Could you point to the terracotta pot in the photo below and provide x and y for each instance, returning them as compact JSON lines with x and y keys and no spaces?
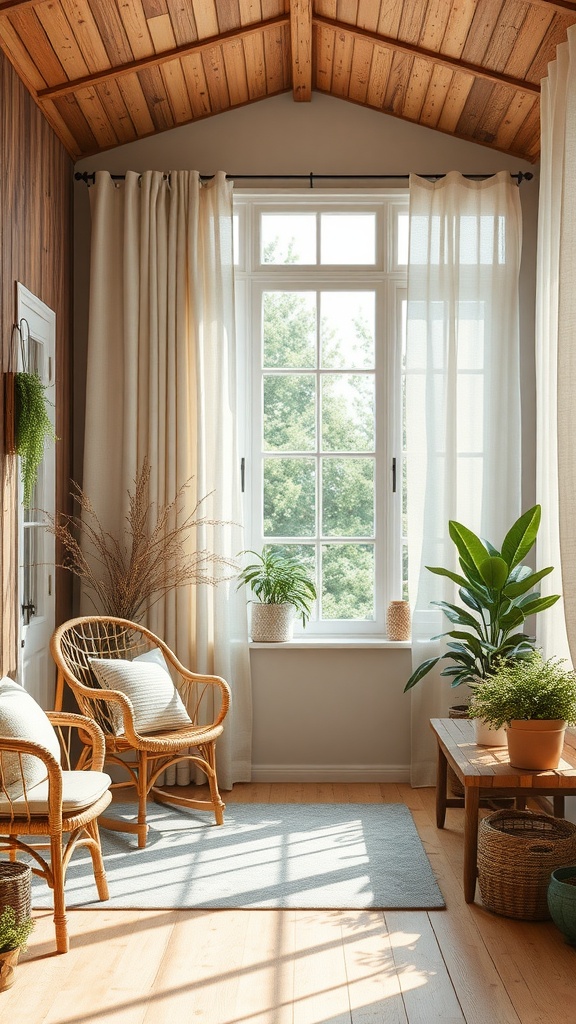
{"x":8,"y":961}
{"x":535,"y":744}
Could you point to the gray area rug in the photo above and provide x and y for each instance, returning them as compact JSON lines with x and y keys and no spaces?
{"x":300,"y":856}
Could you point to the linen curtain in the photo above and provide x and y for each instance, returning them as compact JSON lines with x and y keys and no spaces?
{"x":161,"y":385}
{"x":462,"y":403}
{"x":555,"y":355}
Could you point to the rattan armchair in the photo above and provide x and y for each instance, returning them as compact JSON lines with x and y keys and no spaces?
{"x":36,"y":819}
{"x":145,"y":756}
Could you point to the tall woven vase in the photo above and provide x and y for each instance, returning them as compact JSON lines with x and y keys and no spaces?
{"x":398,"y":620}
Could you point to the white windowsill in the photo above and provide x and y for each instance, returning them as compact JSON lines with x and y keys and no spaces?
{"x":349,"y":643}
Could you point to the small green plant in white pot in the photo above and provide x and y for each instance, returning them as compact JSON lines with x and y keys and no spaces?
{"x":282,"y":587}
{"x":535,"y":699}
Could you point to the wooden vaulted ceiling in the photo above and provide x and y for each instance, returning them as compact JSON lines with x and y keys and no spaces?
{"x":107,"y":72}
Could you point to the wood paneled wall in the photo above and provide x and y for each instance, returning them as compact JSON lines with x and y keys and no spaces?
{"x":36,"y":179}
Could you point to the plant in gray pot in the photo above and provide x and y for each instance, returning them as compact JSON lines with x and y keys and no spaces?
{"x":497,"y":593}
{"x":536,"y":700}
{"x":282,"y":587}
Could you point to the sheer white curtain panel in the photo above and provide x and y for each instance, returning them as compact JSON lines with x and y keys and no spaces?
{"x":462,"y":403}
{"x":555,"y":352}
{"x":161,"y":385}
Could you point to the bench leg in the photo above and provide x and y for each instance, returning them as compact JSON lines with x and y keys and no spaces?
{"x":471,"y":805}
{"x":441,"y":783}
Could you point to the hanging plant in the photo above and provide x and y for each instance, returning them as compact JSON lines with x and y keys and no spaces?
{"x":33,"y":426}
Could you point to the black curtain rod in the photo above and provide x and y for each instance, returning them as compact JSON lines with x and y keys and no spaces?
{"x":89,"y":177}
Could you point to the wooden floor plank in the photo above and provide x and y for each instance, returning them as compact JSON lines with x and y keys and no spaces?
{"x":428,"y":994}
{"x":373,"y":985}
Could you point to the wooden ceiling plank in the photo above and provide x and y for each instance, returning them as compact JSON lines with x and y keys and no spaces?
{"x":113,"y":33}
{"x":397,"y":82}
{"x":527,"y":139}
{"x":411,"y":20}
{"x":368,"y":14}
{"x":251,"y":12}
{"x":326,"y":8}
{"x":479,"y":96}
{"x":347,"y":11}
{"x":130,"y":89}
{"x":417,"y":89}
{"x":455,"y":102}
{"x":555,"y":35}
{"x":236,"y":77}
{"x":416,"y":51}
{"x":61,"y":129}
{"x":70,"y":112}
{"x":29,"y":29}
{"x":136,"y":27}
{"x":216,"y":78}
{"x":91,"y":106}
{"x":62,"y":39}
{"x":379,"y":75}
{"x":277,"y":59}
{"x":301,"y":40}
{"x":20,"y":58}
{"x":274,"y":8}
{"x":519,"y":107}
{"x":228,"y":14}
{"x":199,"y":46}
{"x":324,"y":62}
{"x":196,"y":83}
{"x":457,"y":27}
{"x":156,"y":98}
{"x":492,"y":114}
{"x":530,"y":39}
{"x":206,"y":18}
{"x":342,"y":66}
{"x":183,"y":22}
{"x":360,"y":73}
{"x":481,"y":30}
{"x":162,"y":36}
{"x":85,"y":29}
{"x":154,"y":8}
{"x":505,"y":36}
{"x":434,"y":25}
{"x":436,"y":94}
{"x":255,"y":66}
{"x":113,"y":101}
{"x":389,"y":20}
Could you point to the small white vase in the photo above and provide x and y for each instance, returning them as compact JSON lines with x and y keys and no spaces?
{"x":486,"y":736}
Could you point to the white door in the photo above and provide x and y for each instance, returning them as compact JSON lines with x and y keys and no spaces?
{"x":36,"y":670}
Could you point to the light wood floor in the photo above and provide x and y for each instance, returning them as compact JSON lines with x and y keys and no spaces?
{"x":459,"y":966}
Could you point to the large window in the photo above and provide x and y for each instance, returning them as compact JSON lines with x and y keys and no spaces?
{"x":320,"y":288}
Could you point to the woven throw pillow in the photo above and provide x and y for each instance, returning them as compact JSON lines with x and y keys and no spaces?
{"x":22,"y":718}
{"x":156,"y":703}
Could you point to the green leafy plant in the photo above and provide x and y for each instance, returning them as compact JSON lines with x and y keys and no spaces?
{"x":33,"y":426}
{"x":530,"y":688}
{"x":496,"y":590}
{"x":13,"y":934}
{"x":279,"y":579}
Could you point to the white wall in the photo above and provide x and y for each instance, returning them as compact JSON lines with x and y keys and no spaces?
{"x":320,"y":713}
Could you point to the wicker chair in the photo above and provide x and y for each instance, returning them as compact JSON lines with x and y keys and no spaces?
{"x":205,"y":697}
{"x":43,"y":801}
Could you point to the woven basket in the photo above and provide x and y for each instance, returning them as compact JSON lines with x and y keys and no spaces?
{"x":15,"y":888}
{"x":517,"y":852}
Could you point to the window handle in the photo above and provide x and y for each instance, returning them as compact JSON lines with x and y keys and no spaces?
{"x":394,"y":476}
{"x":242,"y":474}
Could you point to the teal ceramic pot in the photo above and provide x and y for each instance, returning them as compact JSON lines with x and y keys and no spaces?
{"x":562,"y":901}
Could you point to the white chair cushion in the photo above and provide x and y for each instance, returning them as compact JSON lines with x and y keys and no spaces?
{"x":156,"y":703}
{"x":79,"y":790}
{"x":22,"y":718}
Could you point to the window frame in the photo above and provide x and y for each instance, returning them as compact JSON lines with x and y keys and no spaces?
{"x":387,"y":278}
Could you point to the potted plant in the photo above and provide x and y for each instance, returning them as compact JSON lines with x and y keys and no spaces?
{"x":497,"y":595}
{"x":13,"y":938}
{"x":536,"y":699}
{"x":33,"y":426}
{"x":282,"y":586}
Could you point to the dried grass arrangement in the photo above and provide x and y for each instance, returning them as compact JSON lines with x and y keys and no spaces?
{"x":124,"y":576}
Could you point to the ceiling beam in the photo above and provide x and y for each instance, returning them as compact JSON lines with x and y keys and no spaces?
{"x":156,"y":59}
{"x":454,"y":63}
{"x":301,"y":39}
{"x":563,"y":6}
